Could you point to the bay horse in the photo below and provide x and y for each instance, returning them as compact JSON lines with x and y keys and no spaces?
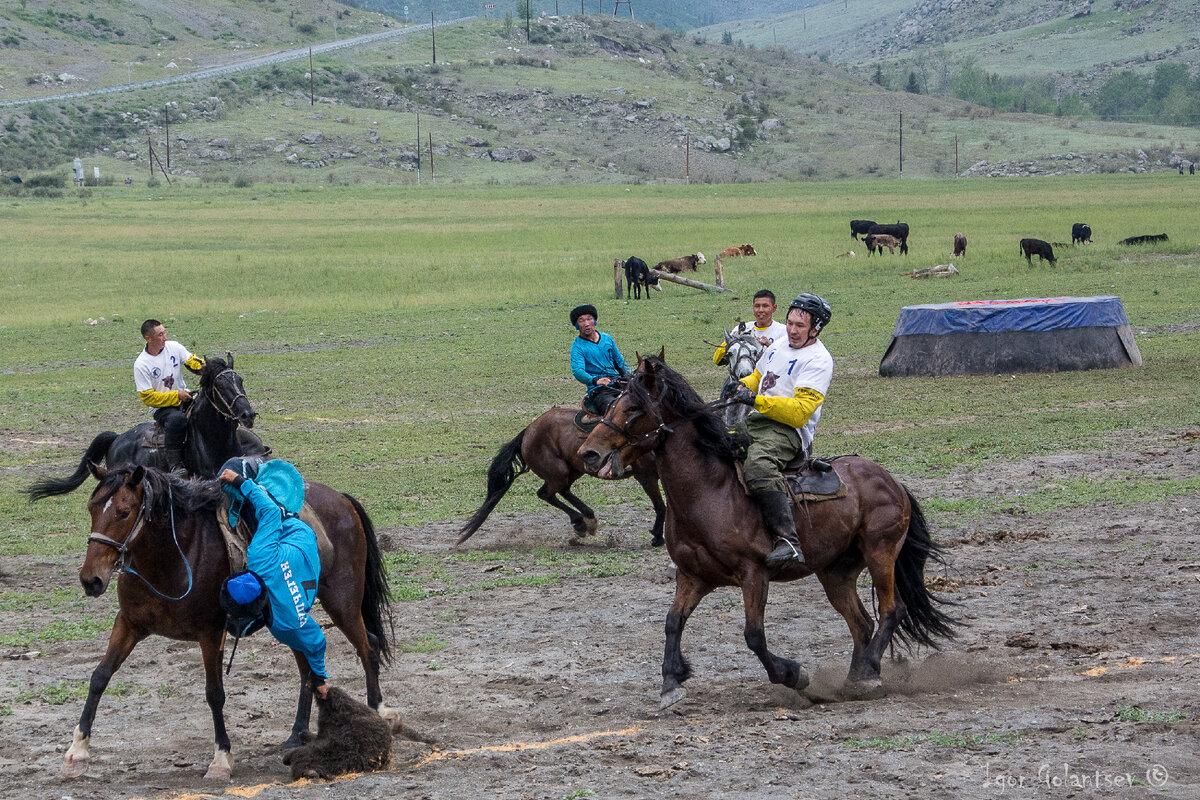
{"x":217,"y":410}
{"x":716,"y":536}
{"x":160,"y":533}
{"x":549,"y":447}
{"x":742,"y":351}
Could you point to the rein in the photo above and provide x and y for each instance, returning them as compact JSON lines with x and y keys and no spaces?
{"x":122,"y":548}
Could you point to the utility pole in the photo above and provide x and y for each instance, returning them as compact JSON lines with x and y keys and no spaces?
{"x":311,"y":97}
{"x":167,"y":124}
{"x":901,"y":145}
{"x":418,"y":148}
{"x":433,"y":34}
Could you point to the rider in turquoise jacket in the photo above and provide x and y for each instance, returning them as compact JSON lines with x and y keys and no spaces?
{"x":283,"y":553}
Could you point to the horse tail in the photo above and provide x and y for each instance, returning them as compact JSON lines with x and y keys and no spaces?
{"x":506,"y":467}
{"x":377,"y":594}
{"x":923,"y":620}
{"x":49,"y":487}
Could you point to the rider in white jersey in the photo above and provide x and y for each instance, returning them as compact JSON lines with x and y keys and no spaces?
{"x":158,"y":377}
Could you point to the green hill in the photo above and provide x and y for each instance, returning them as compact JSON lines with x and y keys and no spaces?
{"x":52,"y":46}
{"x":1075,"y":43}
{"x":588,"y":100}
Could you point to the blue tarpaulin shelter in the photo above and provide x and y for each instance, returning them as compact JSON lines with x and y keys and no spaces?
{"x":988,"y":337}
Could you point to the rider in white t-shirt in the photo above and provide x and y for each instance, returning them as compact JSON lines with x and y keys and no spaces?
{"x":158,"y":377}
{"x":764,"y":327}
{"x":785,"y":391}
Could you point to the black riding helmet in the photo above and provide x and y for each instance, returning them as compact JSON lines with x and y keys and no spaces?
{"x":817,"y":308}
{"x":579,"y":311}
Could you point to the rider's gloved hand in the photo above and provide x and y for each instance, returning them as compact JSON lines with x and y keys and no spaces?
{"x":743,"y":394}
{"x":728,"y":390}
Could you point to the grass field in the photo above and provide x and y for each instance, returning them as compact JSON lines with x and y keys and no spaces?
{"x":392,"y":339}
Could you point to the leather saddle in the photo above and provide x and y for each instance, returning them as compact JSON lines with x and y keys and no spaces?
{"x":237,"y":540}
{"x":813,"y":478}
{"x":251,"y":443}
{"x":586,"y":420}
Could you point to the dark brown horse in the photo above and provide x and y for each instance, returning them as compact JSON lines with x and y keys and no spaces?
{"x":716,"y":537}
{"x":161,"y":534}
{"x":549,"y":447}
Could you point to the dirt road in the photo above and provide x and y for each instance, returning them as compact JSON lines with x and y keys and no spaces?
{"x":1075,"y":676}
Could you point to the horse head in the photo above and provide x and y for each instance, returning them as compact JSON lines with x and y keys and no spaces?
{"x":631,"y":427}
{"x":117,"y":511}
{"x":224,"y":389}
{"x":742,"y":351}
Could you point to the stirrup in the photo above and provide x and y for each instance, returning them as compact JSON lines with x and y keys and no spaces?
{"x":776,"y":558}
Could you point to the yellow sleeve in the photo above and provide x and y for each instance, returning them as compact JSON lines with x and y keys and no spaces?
{"x":791,"y":411}
{"x":720,"y":354}
{"x":195,"y":363}
{"x":159,"y":399}
{"x":753,"y":380}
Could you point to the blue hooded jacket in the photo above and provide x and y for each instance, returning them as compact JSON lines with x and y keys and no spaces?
{"x":284,"y":554}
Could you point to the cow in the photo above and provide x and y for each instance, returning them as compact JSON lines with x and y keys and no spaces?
{"x":860,"y":226}
{"x":637,"y":275}
{"x":735,"y":250}
{"x":681,"y":264}
{"x":899,"y":230}
{"x":878,"y":241}
{"x":1081,"y":234}
{"x":1036,"y":247}
{"x":1152,"y":237}
{"x":960,"y":245}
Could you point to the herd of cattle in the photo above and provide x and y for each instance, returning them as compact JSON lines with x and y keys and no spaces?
{"x":876,"y":237}
{"x":639,"y":275}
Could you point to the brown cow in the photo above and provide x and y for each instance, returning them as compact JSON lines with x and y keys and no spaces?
{"x":960,"y":245}
{"x":735,"y":250}
{"x":681,"y":264}
{"x":878,"y":241}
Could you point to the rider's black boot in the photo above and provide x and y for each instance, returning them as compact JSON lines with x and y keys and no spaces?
{"x":780,"y":518}
{"x":175,"y":464}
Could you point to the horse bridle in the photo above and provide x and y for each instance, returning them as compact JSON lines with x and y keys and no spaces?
{"x":747,"y":355}
{"x":630,"y":439}
{"x":122,"y":547}
{"x":227,"y":411}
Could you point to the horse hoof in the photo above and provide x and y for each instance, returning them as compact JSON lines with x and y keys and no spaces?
{"x":392,"y":717}
{"x":73,"y":767}
{"x":668,"y":699}
{"x":592,"y":525}
{"x":656,"y":541}
{"x":801,"y":680}
{"x":221,"y":768}
{"x":863,"y":690}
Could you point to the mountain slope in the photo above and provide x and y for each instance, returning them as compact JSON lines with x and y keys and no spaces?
{"x":49,"y":46}
{"x":588,"y":100}
{"x":1076,"y":42}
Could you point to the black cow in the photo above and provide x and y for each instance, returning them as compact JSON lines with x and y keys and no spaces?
{"x":1036,"y":247}
{"x":637,"y":275}
{"x":1081,"y":233}
{"x":860,"y":227}
{"x":1152,"y":237}
{"x":899,"y":230}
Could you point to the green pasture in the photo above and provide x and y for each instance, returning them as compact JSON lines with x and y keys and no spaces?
{"x":392,"y":339}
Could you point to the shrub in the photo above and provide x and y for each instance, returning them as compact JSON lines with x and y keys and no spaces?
{"x":242,"y":182}
{"x":48,"y":180}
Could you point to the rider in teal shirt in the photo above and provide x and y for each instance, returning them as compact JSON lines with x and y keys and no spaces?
{"x":595,"y":360}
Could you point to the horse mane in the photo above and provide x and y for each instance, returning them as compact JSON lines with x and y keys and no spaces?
{"x":213,"y":367}
{"x":677,"y":397}
{"x":164,"y":492}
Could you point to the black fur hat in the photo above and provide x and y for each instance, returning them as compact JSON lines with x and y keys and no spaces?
{"x":579,"y":311}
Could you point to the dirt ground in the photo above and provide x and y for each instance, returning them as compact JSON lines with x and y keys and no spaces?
{"x":1075,"y":676}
